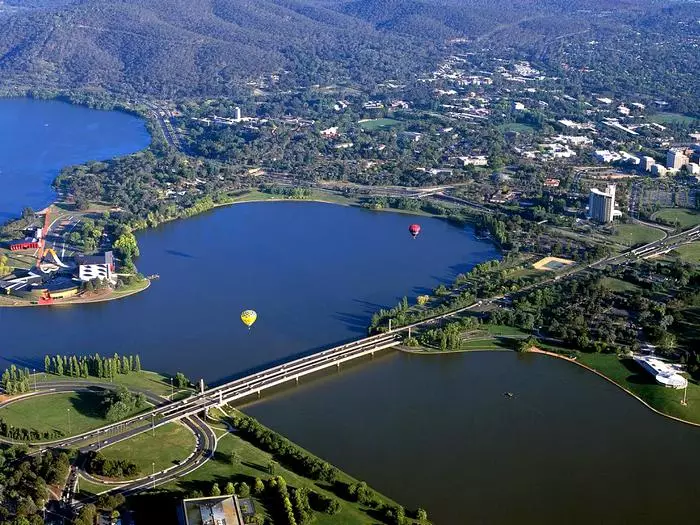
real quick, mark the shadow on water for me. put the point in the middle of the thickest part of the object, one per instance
(356, 323)
(180, 254)
(23, 362)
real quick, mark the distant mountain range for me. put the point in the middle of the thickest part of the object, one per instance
(203, 47)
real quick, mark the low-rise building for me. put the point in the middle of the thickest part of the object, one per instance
(658, 170)
(214, 510)
(551, 183)
(95, 266)
(647, 163)
(476, 160)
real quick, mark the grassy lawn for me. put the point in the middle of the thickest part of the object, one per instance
(629, 375)
(151, 381)
(684, 217)
(672, 118)
(171, 442)
(634, 234)
(497, 329)
(378, 123)
(53, 411)
(689, 253)
(618, 285)
(88, 488)
(251, 464)
(132, 288)
(516, 126)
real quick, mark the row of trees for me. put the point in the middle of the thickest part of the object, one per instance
(298, 459)
(110, 468)
(92, 365)
(16, 380)
(27, 434)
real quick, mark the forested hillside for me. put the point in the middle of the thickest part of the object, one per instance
(184, 47)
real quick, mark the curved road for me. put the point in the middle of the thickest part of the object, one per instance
(204, 435)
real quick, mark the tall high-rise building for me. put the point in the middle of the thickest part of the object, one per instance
(601, 204)
(675, 159)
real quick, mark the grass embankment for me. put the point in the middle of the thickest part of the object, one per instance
(682, 217)
(630, 376)
(672, 118)
(70, 413)
(618, 285)
(689, 253)
(251, 463)
(164, 446)
(633, 234)
(378, 123)
(87, 488)
(153, 382)
(517, 127)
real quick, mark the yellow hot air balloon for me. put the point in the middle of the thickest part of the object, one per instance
(248, 317)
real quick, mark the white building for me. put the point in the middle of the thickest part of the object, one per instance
(329, 132)
(601, 204)
(606, 156)
(237, 114)
(478, 160)
(658, 170)
(693, 169)
(647, 163)
(665, 374)
(675, 159)
(95, 267)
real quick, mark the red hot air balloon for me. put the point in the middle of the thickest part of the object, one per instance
(414, 229)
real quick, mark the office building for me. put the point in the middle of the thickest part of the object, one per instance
(675, 159)
(601, 204)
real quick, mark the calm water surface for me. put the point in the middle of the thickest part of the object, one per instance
(437, 432)
(39, 137)
(314, 272)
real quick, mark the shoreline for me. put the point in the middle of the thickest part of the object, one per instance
(618, 385)
(409, 351)
(114, 296)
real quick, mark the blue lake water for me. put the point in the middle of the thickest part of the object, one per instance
(314, 272)
(39, 137)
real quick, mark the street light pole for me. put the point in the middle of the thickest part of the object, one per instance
(684, 402)
(34, 372)
(153, 464)
(68, 421)
(172, 389)
(153, 425)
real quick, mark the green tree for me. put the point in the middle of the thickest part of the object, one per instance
(243, 490)
(229, 489)
(137, 363)
(127, 246)
(271, 468)
(258, 487)
(47, 364)
(215, 490)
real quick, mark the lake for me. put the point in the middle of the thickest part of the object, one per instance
(39, 137)
(314, 272)
(436, 431)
